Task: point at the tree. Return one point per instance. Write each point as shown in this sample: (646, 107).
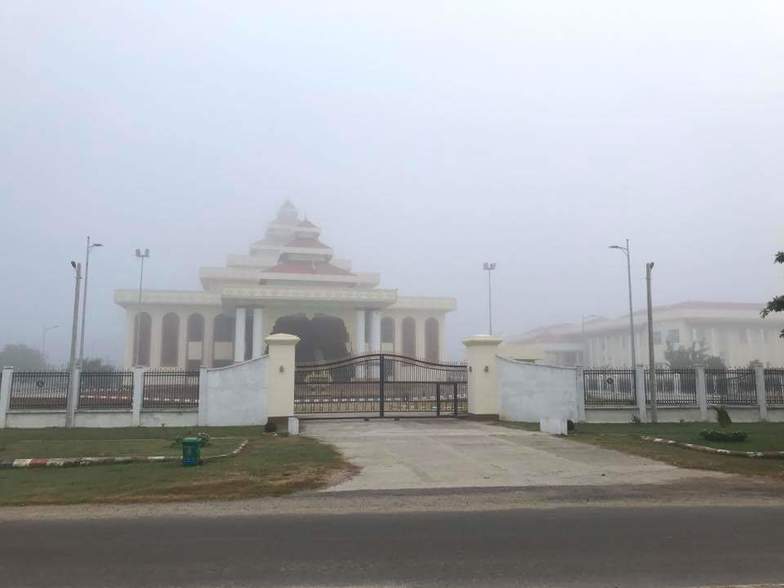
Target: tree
(96, 364)
(22, 357)
(777, 303)
(683, 358)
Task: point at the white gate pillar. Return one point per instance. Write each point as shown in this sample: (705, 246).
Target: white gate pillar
(481, 353)
(239, 335)
(5, 393)
(762, 399)
(280, 375)
(258, 333)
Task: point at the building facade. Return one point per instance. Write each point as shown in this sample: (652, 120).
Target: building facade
(288, 282)
(733, 331)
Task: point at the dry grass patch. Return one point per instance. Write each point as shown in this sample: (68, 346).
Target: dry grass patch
(270, 465)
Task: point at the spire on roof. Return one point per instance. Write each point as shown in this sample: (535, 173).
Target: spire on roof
(288, 213)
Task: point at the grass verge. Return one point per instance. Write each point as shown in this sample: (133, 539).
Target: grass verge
(627, 438)
(270, 465)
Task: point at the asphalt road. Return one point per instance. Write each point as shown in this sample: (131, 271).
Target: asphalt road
(663, 546)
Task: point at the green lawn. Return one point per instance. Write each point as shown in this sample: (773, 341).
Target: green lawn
(270, 465)
(627, 438)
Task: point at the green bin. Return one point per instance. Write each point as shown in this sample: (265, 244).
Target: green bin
(191, 451)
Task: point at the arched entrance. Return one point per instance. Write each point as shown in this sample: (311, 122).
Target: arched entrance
(322, 338)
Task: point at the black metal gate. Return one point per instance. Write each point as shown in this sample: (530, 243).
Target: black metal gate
(381, 384)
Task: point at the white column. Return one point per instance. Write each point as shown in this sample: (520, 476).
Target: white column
(156, 341)
(207, 343)
(442, 354)
(182, 341)
(420, 337)
(239, 335)
(359, 332)
(258, 332)
(375, 331)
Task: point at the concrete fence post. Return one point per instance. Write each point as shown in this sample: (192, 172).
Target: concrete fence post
(280, 376)
(203, 396)
(580, 384)
(762, 399)
(702, 392)
(5, 394)
(483, 390)
(72, 400)
(639, 391)
(138, 396)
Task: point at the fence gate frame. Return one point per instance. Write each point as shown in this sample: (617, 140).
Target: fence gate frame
(378, 385)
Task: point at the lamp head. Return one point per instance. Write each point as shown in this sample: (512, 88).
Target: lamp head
(73, 264)
(489, 266)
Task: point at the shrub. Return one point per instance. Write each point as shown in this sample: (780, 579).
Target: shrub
(270, 427)
(722, 416)
(570, 425)
(728, 436)
(636, 420)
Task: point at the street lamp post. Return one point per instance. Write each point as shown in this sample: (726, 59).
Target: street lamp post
(141, 256)
(44, 331)
(75, 326)
(651, 357)
(489, 267)
(84, 297)
(627, 252)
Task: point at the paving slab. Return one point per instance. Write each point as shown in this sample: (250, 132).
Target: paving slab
(458, 453)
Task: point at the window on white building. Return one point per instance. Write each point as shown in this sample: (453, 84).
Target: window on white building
(673, 336)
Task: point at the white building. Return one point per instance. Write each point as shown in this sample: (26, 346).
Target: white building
(289, 282)
(731, 330)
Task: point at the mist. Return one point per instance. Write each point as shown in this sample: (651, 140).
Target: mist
(423, 138)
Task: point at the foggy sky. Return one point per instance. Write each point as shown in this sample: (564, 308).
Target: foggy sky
(423, 137)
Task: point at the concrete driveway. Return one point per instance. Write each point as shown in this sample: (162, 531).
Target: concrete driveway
(452, 453)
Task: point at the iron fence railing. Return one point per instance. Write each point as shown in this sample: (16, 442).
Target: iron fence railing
(106, 390)
(774, 387)
(731, 387)
(676, 387)
(39, 390)
(170, 389)
(609, 388)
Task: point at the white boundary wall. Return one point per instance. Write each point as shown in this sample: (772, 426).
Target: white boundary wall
(235, 394)
(531, 392)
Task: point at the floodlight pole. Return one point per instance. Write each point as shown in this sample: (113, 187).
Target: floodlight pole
(141, 256)
(84, 298)
(651, 359)
(626, 250)
(489, 267)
